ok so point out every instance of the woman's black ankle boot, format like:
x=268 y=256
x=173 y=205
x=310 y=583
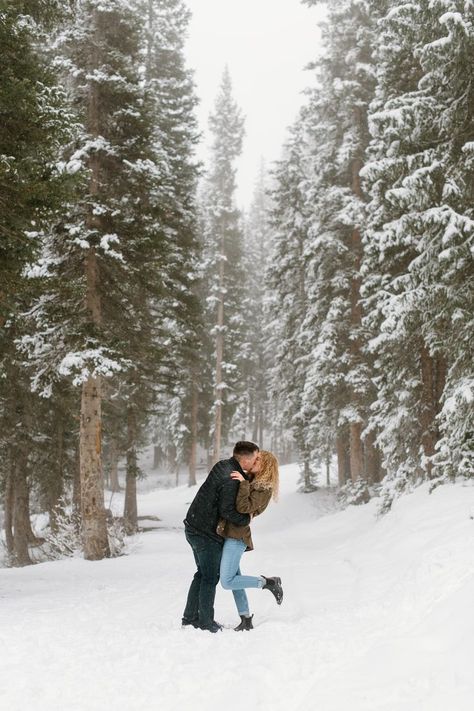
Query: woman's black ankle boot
x=245 y=624
x=274 y=585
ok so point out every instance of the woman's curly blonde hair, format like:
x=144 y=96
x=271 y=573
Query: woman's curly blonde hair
x=268 y=476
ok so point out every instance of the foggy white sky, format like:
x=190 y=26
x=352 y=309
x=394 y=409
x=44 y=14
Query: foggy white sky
x=266 y=44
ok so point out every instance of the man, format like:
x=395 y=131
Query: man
x=214 y=500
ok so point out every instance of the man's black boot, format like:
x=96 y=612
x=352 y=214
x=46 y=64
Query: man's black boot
x=245 y=624
x=189 y=623
x=274 y=585
x=213 y=627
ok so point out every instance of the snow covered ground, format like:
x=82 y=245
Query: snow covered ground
x=378 y=615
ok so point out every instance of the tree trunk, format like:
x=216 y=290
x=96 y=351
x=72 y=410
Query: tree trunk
x=56 y=488
x=21 y=516
x=440 y=380
x=114 y=459
x=357 y=452
x=341 y=448
x=76 y=482
x=433 y=375
x=253 y=418
x=219 y=358
x=156 y=456
x=150 y=31
x=194 y=434
x=356 y=447
x=372 y=460
x=94 y=522
x=328 y=469
x=8 y=513
x=176 y=469
x=307 y=473
x=130 y=513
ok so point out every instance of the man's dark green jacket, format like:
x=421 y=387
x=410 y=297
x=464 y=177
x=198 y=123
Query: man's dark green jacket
x=215 y=500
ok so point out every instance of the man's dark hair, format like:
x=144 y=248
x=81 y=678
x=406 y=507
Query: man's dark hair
x=245 y=449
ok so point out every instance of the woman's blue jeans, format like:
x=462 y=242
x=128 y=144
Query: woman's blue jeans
x=231 y=577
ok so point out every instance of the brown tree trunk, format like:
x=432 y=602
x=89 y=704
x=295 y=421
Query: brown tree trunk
x=130 y=513
x=56 y=488
x=8 y=513
x=307 y=473
x=253 y=418
x=433 y=376
x=194 y=435
x=150 y=37
x=372 y=460
x=343 y=457
x=440 y=380
x=94 y=521
x=357 y=452
x=356 y=447
x=114 y=459
x=218 y=393
x=260 y=428
x=21 y=516
x=76 y=482
x=176 y=468
x=31 y=535
x=156 y=456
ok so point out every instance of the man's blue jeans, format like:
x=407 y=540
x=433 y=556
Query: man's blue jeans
x=207 y=553
x=231 y=577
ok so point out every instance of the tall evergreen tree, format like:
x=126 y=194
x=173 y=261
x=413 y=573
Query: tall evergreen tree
x=168 y=351
x=288 y=290
x=34 y=122
x=105 y=255
x=223 y=253
x=251 y=416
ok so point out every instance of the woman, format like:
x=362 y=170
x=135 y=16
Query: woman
x=253 y=498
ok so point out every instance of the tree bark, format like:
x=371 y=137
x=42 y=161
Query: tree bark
x=433 y=375
x=357 y=452
x=114 y=459
x=176 y=467
x=194 y=434
x=219 y=358
x=56 y=487
x=372 y=460
x=21 y=516
x=76 y=482
x=130 y=513
x=156 y=456
x=94 y=521
x=342 y=447
x=253 y=418
x=356 y=446
x=307 y=473
x=8 y=513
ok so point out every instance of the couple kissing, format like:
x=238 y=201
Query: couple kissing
x=217 y=527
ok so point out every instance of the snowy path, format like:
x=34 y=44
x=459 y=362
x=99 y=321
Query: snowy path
x=378 y=616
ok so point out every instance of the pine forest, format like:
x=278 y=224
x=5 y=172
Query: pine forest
x=330 y=321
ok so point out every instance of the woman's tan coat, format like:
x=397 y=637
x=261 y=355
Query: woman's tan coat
x=252 y=500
